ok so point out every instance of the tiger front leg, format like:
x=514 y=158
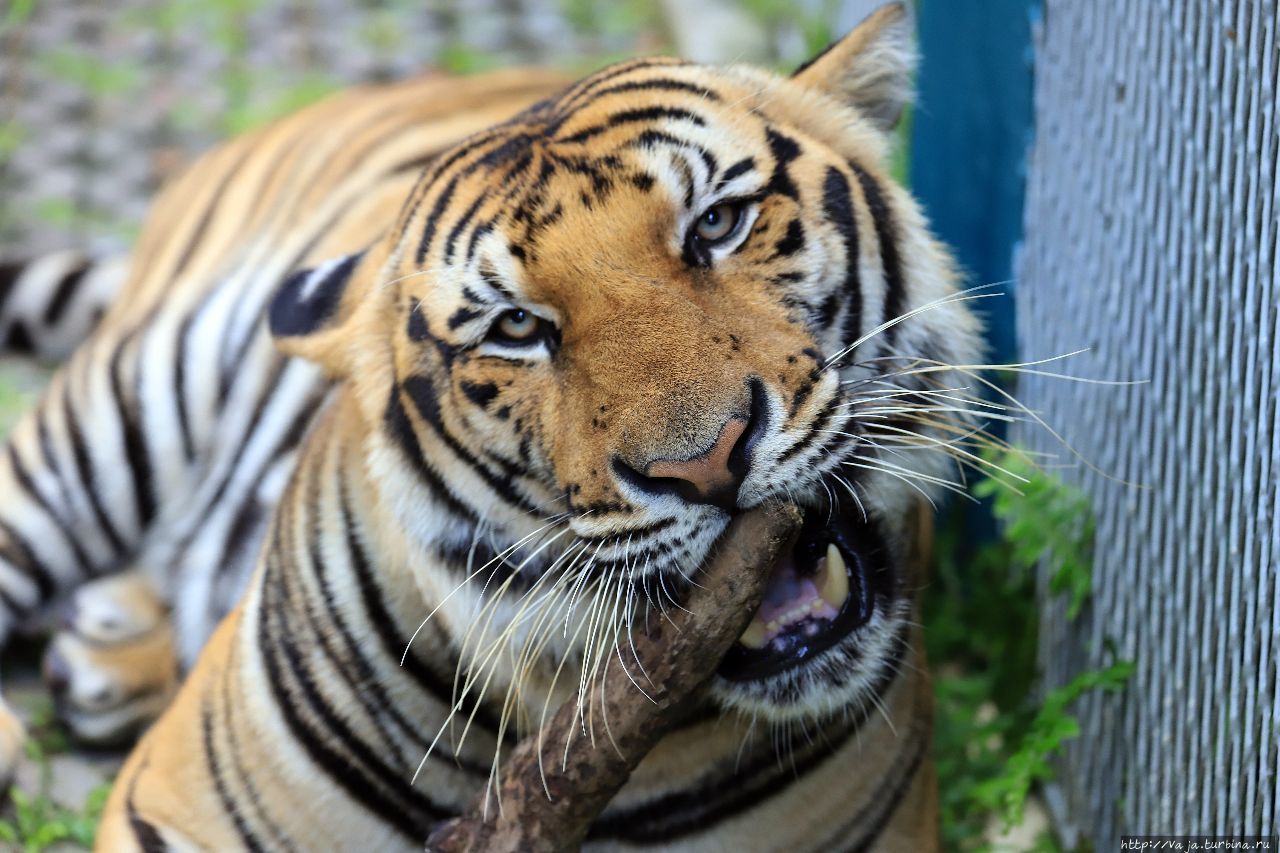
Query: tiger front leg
x=112 y=668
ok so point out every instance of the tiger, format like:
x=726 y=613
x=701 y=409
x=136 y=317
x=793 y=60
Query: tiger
x=430 y=395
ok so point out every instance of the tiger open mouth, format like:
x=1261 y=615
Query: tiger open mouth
x=826 y=586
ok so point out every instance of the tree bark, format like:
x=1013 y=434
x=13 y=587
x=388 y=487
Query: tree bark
x=679 y=657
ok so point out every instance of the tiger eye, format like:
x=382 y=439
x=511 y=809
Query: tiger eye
x=717 y=222
x=518 y=325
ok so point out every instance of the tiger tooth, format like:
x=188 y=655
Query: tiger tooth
x=835 y=587
x=754 y=636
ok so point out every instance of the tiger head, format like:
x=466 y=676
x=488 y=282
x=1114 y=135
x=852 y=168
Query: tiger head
x=666 y=295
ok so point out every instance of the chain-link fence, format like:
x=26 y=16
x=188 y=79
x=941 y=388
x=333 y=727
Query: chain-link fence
x=1151 y=228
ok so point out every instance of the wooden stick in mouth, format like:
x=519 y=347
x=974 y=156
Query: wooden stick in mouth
x=678 y=656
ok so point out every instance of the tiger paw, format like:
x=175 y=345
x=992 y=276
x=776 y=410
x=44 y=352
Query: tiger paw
x=112 y=667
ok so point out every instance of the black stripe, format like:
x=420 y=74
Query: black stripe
x=591 y=85
x=360 y=756
x=253 y=799
x=87 y=473
x=462 y=316
x=49 y=458
x=355 y=770
x=480 y=393
x=24 y=557
x=401 y=428
x=416 y=328
x=422 y=391
x=650 y=137
x=290 y=439
x=243 y=539
x=657 y=526
x=641 y=114
x=469 y=214
x=837 y=206
x=803 y=391
x=478 y=233
x=819 y=423
x=433 y=218
x=446 y=194
x=206 y=216
x=351 y=666
x=10 y=272
x=687 y=178
x=144 y=832
x=19 y=339
x=514 y=149
x=658 y=84
x=147 y=836
x=135 y=443
x=741 y=167
x=887 y=235
x=491 y=278
x=422 y=187
x=873 y=818
x=308 y=621
x=784 y=150
x=792 y=241
x=28 y=485
x=180 y=387
x=11 y=604
x=384 y=624
x=698 y=809
x=247 y=837
x=62 y=294
x=826 y=314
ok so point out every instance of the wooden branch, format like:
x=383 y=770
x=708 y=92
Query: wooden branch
x=678 y=658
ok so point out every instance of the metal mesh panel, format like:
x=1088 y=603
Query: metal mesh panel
x=1151 y=238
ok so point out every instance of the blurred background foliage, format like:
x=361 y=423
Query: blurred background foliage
x=84 y=85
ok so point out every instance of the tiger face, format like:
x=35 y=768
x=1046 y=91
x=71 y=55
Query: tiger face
x=665 y=296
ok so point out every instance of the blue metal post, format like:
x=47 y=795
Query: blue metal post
x=970 y=135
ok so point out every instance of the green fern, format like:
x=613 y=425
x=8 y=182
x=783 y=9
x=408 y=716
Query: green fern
x=992 y=743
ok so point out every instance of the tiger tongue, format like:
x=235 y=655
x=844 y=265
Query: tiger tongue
x=792 y=598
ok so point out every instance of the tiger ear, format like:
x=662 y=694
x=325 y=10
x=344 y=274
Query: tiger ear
x=309 y=313
x=871 y=68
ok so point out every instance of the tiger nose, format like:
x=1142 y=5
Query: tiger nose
x=713 y=476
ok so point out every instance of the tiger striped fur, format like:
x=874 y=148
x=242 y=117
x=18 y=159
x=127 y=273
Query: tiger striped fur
x=529 y=372
x=49 y=304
